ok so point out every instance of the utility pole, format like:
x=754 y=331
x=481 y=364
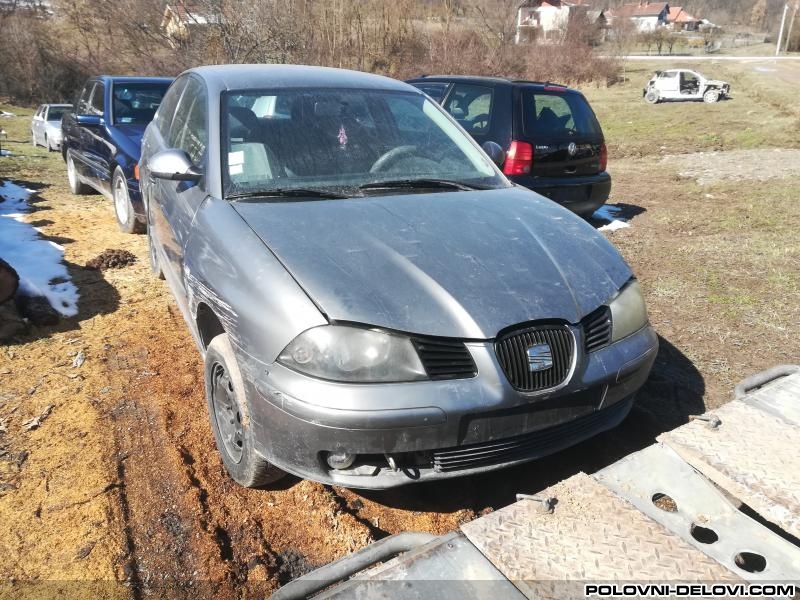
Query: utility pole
x=780 y=33
x=791 y=25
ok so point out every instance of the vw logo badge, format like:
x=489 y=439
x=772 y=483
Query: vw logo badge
x=572 y=148
x=540 y=358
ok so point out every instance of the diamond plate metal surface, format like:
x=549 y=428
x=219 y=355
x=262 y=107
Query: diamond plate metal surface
x=698 y=503
x=753 y=454
x=780 y=398
x=592 y=535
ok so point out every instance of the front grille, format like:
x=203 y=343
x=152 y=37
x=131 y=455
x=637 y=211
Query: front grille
x=512 y=352
x=529 y=445
x=597 y=329
x=444 y=359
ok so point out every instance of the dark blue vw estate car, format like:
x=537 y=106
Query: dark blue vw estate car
x=102 y=137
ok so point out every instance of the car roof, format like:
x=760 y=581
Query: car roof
x=488 y=81
x=132 y=79
x=243 y=77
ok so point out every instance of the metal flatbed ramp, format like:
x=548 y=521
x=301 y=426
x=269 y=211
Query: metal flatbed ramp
x=592 y=534
x=714 y=501
x=661 y=485
x=753 y=453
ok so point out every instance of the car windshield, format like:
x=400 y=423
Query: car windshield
x=56 y=112
x=344 y=141
x=136 y=103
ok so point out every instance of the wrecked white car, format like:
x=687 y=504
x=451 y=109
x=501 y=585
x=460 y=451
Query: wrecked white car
x=683 y=84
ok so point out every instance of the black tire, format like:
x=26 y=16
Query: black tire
x=76 y=186
x=123 y=209
x=155 y=264
x=651 y=97
x=230 y=421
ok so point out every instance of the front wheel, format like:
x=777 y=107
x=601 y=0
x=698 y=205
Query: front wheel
x=230 y=418
x=651 y=97
x=711 y=96
x=123 y=209
x=33 y=140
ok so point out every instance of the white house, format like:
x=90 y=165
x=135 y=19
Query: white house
x=647 y=16
x=546 y=19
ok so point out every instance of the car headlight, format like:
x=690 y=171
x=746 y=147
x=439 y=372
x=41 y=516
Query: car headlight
x=628 y=312
x=353 y=354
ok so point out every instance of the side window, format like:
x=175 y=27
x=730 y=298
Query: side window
x=166 y=109
x=82 y=104
x=38 y=112
x=471 y=106
x=98 y=100
x=188 y=131
x=434 y=90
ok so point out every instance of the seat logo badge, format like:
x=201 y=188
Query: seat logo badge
x=572 y=148
x=540 y=358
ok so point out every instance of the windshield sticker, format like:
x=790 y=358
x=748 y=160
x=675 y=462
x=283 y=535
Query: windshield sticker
x=236 y=158
x=236 y=169
x=342 y=136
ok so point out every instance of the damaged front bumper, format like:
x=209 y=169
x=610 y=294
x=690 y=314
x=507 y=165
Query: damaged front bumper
x=404 y=433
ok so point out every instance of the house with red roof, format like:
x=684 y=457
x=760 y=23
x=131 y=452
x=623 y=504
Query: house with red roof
x=681 y=20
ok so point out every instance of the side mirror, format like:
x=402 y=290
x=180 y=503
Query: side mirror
x=495 y=152
x=173 y=165
x=89 y=120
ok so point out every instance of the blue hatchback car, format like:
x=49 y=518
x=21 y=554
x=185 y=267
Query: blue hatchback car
x=102 y=138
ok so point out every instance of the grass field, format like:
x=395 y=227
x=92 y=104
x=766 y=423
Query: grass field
x=761 y=113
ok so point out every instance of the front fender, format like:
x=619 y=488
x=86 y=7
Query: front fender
x=227 y=267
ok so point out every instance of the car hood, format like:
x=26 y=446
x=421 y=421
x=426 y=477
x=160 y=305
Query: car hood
x=454 y=264
x=718 y=82
x=128 y=138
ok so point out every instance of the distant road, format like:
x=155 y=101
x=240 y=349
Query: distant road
x=674 y=57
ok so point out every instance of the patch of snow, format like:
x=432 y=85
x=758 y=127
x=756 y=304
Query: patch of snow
x=5 y=152
x=38 y=262
x=610 y=213
x=6 y=114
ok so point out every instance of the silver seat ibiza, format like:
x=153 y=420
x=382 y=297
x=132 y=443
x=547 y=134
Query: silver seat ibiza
x=375 y=303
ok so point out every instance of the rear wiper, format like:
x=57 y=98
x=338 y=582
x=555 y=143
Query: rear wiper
x=419 y=184
x=288 y=193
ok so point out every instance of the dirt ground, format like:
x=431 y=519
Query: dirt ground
x=120 y=491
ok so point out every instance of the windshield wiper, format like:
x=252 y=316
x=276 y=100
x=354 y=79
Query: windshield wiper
x=288 y=193
x=420 y=184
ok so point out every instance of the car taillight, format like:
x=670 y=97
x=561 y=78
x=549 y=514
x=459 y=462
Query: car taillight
x=603 y=157
x=519 y=159
x=136 y=172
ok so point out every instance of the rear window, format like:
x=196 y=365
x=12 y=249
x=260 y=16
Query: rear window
x=136 y=103
x=558 y=115
x=55 y=113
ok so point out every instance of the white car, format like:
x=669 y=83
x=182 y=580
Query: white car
x=683 y=84
x=46 y=125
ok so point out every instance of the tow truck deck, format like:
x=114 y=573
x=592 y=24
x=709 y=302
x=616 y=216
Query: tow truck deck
x=714 y=502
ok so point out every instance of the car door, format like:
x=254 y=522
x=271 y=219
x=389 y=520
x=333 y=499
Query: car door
x=37 y=128
x=98 y=151
x=668 y=84
x=178 y=201
x=77 y=137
